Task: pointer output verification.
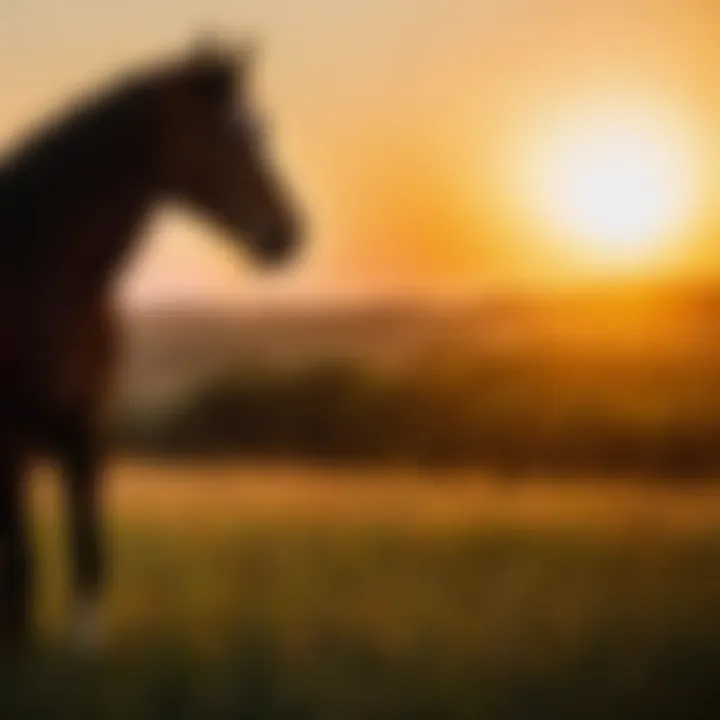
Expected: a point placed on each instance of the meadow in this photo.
(291, 591)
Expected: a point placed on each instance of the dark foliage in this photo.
(529, 414)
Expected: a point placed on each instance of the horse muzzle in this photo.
(279, 243)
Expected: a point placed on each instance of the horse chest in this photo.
(53, 361)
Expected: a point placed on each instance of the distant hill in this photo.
(170, 349)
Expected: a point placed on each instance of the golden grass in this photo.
(297, 592)
(221, 493)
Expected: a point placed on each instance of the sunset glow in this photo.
(435, 147)
(617, 189)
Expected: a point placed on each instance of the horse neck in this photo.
(92, 209)
(114, 211)
(115, 207)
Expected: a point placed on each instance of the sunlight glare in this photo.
(618, 188)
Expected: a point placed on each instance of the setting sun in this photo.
(616, 188)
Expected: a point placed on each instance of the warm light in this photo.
(617, 187)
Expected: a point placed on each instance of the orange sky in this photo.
(397, 122)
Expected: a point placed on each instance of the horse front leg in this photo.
(81, 461)
(14, 543)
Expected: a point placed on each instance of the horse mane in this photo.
(59, 163)
(94, 117)
(85, 126)
(59, 166)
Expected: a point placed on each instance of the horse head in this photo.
(215, 157)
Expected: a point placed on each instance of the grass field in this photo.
(270, 592)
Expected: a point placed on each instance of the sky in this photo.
(404, 127)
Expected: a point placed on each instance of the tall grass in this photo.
(270, 610)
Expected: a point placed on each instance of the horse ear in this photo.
(204, 45)
(208, 49)
(247, 55)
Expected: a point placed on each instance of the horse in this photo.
(75, 195)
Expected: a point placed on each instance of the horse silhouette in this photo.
(73, 200)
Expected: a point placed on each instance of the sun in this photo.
(617, 189)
